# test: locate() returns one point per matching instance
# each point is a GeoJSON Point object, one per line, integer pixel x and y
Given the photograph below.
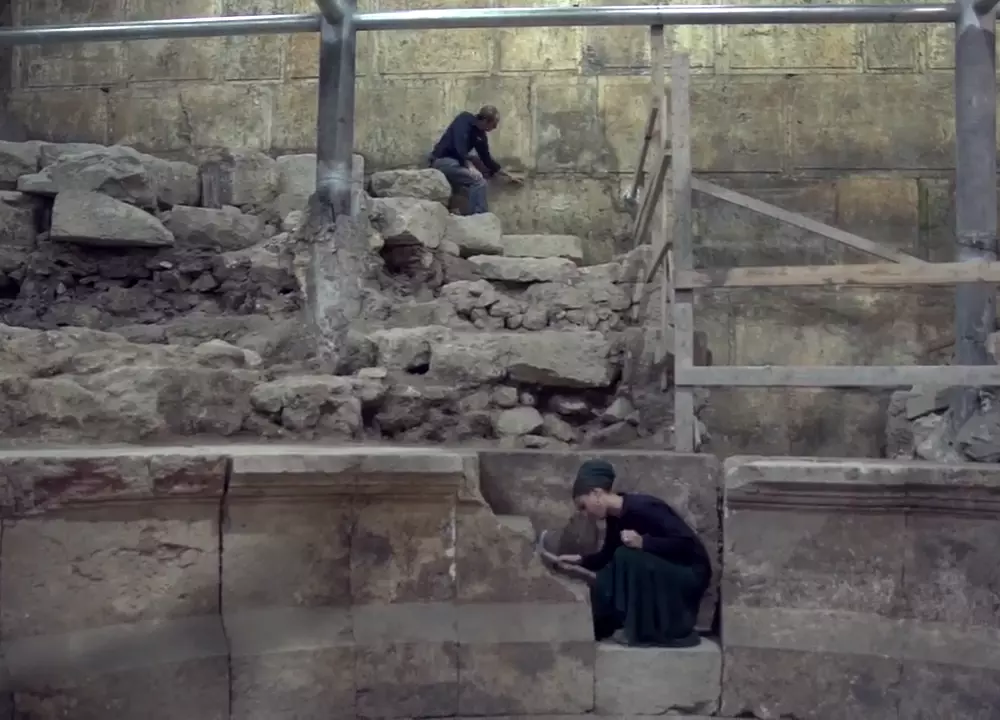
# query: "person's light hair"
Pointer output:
{"type": "Point", "coordinates": [488, 112]}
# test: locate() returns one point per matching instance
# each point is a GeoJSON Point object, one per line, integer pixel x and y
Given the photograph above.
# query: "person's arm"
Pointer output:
{"type": "Point", "coordinates": [673, 538]}
{"type": "Point", "coordinates": [462, 132]}
{"type": "Point", "coordinates": [612, 541]}
{"type": "Point", "coordinates": [483, 151]}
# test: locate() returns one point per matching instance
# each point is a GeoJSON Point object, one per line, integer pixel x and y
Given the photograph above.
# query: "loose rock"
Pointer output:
{"type": "Point", "coordinates": [425, 184]}
{"type": "Point", "coordinates": [87, 218]}
{"type": "Point", "coordinates": [525, 270]}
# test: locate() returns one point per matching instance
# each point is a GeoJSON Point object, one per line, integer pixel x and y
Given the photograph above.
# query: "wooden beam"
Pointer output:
{"type": "Point", "coordinates": [685, 425]}
{"type": "Point", "coordinates": [798, 220]}
{"type": "Point", "coordinates": [661, 228]}
{"type": "Point", "coordinates": [879, 275]}
{"type": "Point", "coordinates": [637, 179]}
{"type": "Point", "coordinates": [650, 199]}
{"type": "Point", "coordinates": [842, 376]}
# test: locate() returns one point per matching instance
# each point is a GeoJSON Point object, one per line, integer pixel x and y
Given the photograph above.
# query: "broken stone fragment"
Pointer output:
{"type": "Point", "coordinates": [89, 218]}
{"type": "Point", "coordinates": [979, 437]}
{"type": "Point", "coordinates": [926, 400]}
{"type": "Point", "coordinates": [119, 172]}
{"type": "Point", "coordinates": [53, 152]}
{"type": "Point", "coordinates": [569, 247]}
{"type": "Point", "coordinates": [239, 177]}
{"type": "Point", "coordinates": [525, 270]}
{"type": "Point", "coordinates": [518, 421]}
{"type": "Point", "coordinates": [410, 221]}
{"type": "Point", "coordinates": [296, 182]}
{"type": "Point", "coordinates": [993, 346]}
{"type": "Point", "coordinates": [425, 184]}
{"type": "Point", "coordinates": [221, 230]}
{"type": "Point", "coordinates": [17, 220]}
{"type": "Point", "coordinates": [17, 159]}
{"type": "Point", "coordinates": [476, 234]}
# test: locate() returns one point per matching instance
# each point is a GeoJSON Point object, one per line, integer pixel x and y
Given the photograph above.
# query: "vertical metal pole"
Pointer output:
{"type": "Point", "coordinates": [680, 142]}
{"type": "Point", "coordinates": [335, 131]}
{"type": "Point", "coordinates": [975, 189]}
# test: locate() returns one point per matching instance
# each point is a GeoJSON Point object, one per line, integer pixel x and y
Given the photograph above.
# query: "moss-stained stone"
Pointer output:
{"type": "Point", "coordinates": [246, 123]}
{"type": "Point", "coordinates": [253, 57]}
{"type": "Point", "coordinates": [294, 125]}
{"type": "Point", "coordinates": [738, 124]}
{"type": "Point", "coordinates": [402, 552]}
{"type": "Point", "coordinates": [567, 132]}
{"type": "Point", "coordinates": [872, 122]}
{"type": "Point", "coordinates": [835, 423]}
{"type": "Point", "coordinates": [74, 64]}
{"type": "Point", "coordinates": [937, 219]}
{"type": "Point", "coordinates": [511, 143]}
{"type": "Point", "coordinates": [399, 120]}
{"type": "Point", "coordinates": [731, 236]}
{"type": "Point", "coordinates": [407, 680]}
{"type": "Point", "coordinates": [538, 49]}
{"type": "Point", "coordinates": [434, 51]}
{"type": "Point", "coordinates": [173, 59]}
{"type": "Point", "coordinates": [62, 115]}
{"type": "Point", "coordinates": [149, 119]}
{"type": "Point", "coordinates": [559, 204]}
{"type": "Point", "coordinates": [623, 106]}
{"type": "Point", "coordinates": [893, 47]}
{"type": "Point", "coordinates": [741, 421]}
{"type": "Point", "coordinates": [883, 209]}
{"type": "Point", "coordinates": [792, 47]}
{"type": "Point", "coordinates": [530, 678]}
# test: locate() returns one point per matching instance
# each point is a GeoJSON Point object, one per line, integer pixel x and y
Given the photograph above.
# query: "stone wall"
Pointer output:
{"type": "Point", "coordinates": [250, 583]}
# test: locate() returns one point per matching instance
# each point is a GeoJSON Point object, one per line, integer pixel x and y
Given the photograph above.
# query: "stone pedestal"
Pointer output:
{"type": "Point", "coordinates": [860, 589]}
{"type": "Point", "coordinates": [109, 584]}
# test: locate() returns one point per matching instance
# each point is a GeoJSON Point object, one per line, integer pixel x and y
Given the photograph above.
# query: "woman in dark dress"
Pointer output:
{"type": "Point", "coordinates": [652, 570]}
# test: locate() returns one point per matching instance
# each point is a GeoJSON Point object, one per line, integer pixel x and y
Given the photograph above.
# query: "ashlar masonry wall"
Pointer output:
{"type": "Point", "coordinates": [850, 124]}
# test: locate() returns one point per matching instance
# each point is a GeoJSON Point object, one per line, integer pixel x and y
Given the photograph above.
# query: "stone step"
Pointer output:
{"type": "Point", "coordinates": [569, 247]}
{"type": "Point", "coordinates": [518, 523]}
{"type": "Point", "coordinates": [658, 681]}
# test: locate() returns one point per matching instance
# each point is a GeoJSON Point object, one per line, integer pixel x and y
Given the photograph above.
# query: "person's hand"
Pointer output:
{"type": "Point", "coordinates": [510, 178]}
{"type": "Point", "coordinates": [632, 539]}
{"type": "Point", "coordinates": [475, 172]}
{"type": "Point", "coordinates": [569, 559]}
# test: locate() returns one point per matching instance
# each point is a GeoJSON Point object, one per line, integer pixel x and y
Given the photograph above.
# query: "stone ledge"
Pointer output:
{"type": "Point", "coordinates": [657, 681]}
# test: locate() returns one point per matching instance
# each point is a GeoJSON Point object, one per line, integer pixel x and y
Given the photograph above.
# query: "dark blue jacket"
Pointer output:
{"type": "Point", "coordinates": [463, 136]}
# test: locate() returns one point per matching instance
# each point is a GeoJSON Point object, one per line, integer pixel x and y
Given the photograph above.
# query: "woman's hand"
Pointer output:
{"type": "Point", "coordinates": [632, 539]}
{"type": "Point", "coordinates": [569, 559]}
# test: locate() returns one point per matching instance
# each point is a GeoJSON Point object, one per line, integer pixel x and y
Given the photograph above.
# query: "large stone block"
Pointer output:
{"type": "Point", "coordinates": [867, 122]}
{"type": "Point", "coordinates": [17, 220]}
{"type": "Point", "coordinates": [174, 58]}
{"type": "Point", "coordinates": [62, 114]}
{"type": "Point", "coordinates": [110, 576]}
{"type": "Point", "coordinates": [434, 51]}
{"type": "Point", "coordinates": [837, 585]}
{"type": "Point", "coordinates": [567, 130]}
{"type": "Point", "coordinates": [883, 209]}
{"type": "Point", "coordinates": [537, 485]}
{"type": "Point", "coordinates": [658, 681]}
{"type": "Point", "coordinates": [399, 120]}
{"type": "Point", "coordinates": [538, 49]}
{"type": "Point", "coordinates": [783, 48]}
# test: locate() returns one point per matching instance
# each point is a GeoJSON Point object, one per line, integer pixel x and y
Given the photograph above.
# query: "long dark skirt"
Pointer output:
{"type": "Point", "coordinates": [652, 600]}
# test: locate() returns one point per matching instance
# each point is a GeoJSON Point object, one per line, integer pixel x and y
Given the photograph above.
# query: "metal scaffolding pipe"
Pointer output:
{"type": "Point", "coordinates": [975, 190]}
{"type": "Point", "coordinates": [488, 18]}
{"type": "Point", "coordinates": [335, 126]}
{"type": "Point", "coordinates": [332, 10]}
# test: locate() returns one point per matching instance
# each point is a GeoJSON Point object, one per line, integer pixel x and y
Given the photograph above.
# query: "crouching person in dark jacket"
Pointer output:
{"type": "Point", "coordinates": [652, 570]}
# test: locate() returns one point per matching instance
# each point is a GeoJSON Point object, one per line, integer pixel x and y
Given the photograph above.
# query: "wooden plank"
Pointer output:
{"type": "Point", "coordinates": [839, 376]}
{"type": "Point", "coordinates": [650, 200]}
{"type": "Point", "coordinates": [877, 275]}
{"type": "Point", "coordinates": [661, 231]}
{"type": "Point", "coordinates": [683, 305]}
{"type": "Point", "coordinates": [637, 182]}
{"type": "Point", "coordinates": [792, 218]}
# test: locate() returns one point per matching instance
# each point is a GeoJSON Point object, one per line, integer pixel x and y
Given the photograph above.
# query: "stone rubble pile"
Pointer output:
{"type": "Point", "coordinates": [920, 425]}
{"type": "Point", "coordinates": [146, 299]}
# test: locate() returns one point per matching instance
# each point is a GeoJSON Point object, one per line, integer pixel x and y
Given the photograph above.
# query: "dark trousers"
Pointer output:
{"type": "Point", "coordinates": [654, 601]}
{"type": "Point", "coordinates": [464, 180]}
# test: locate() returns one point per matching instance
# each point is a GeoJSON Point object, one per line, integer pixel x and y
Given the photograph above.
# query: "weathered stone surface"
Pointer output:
{"type": "Point", "coordinates": [17, 159]}
{"type": "Point", "coordinates": [924, 401]}
{"type": "Point", "coordinates": [89, 218]}
{"type": "Point", "coordinates": [410, 221]}
{"type": "Point", "coordinates": [658, 681]}
{"type": "Point", "coordinates": [17, 220]}
{"type": "Point", "coordinates": [296, 182]}
{"type": "Point", "coordinates": [426, 184]}
{"type": "Point", "coordinates": [569, 247]}
{"type": "Point", "coordinates": [475, 234]}
{"type": "Point", "coordinates": [90, 587]}
{"type": "Point", "coordinates": [556, 359]}
{"type": "Point", "coordinates": [221, 230]}
{"type": "Point", "coordinates": [993, 346]}
{"type": "Point", "coordinates": [239, 177]}
{"type": "Point", "coordinates": [518, 421]}
{"type": "Point", "coordinates": [827, 603]}
{"type": "Point", "coordinates": [119, 172]}
{"type": "Point", "coordinates": [525, 270]}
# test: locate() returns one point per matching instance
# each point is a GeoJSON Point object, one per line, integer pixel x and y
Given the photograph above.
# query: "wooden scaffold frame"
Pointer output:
{"type": "Point", "coordinates": [665, 216]}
